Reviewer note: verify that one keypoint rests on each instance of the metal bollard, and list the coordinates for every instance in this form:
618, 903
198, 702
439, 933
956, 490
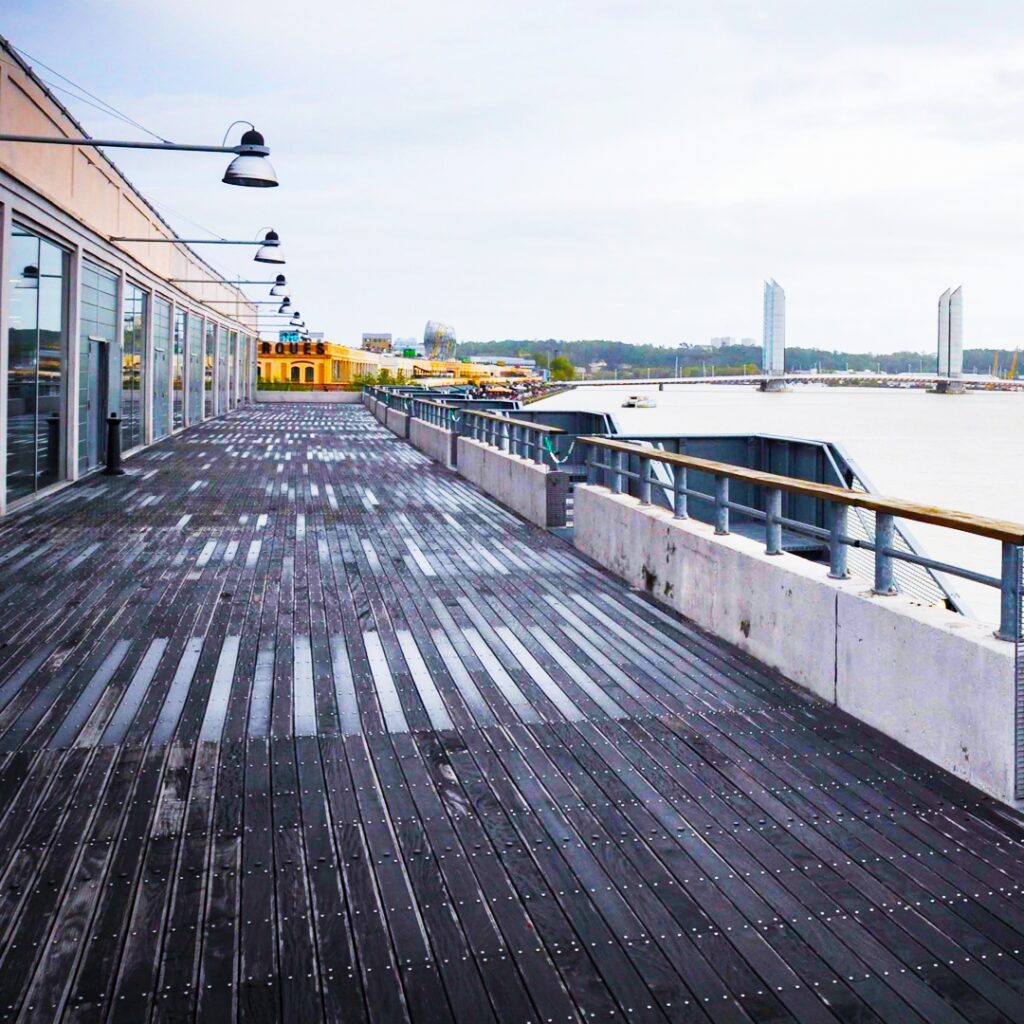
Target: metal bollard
837, 569
618, 460
885, 536
721, 505
1009, 610
113, 467
645, 481
679, 503
772, 526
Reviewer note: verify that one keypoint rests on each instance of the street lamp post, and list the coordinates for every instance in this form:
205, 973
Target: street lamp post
250, 167
269, 245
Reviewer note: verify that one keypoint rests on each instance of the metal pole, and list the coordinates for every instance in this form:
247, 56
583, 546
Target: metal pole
113, 467
836, 548
721, 505
645, 481
885, 534
588, 461
1009, 618
679, 503
773, 528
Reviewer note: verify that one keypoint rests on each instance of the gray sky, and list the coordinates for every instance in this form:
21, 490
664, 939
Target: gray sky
624, 170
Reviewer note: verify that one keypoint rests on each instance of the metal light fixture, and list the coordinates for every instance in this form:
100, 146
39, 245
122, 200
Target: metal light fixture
270, 250
29, 277
250, 167
280, 286
286, 305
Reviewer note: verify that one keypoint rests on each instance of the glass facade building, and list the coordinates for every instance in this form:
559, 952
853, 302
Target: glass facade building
133, 354
161, 368
773, 356
37, 362
178, 369
90, 327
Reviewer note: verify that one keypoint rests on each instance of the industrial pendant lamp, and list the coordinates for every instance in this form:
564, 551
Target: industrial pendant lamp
270, 250
280, 287
286, 305
250, 168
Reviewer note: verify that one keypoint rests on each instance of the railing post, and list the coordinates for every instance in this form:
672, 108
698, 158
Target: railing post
773, 528
618, 459
1009, 612
721, 505
506, 444
885, 537
588, 461
679, 496
837, 552
538, 447
645, 480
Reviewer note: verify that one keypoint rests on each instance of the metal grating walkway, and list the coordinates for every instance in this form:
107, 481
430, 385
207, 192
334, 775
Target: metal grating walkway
296, 725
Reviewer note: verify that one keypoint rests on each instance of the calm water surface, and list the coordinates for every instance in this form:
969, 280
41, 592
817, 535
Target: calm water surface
963, 452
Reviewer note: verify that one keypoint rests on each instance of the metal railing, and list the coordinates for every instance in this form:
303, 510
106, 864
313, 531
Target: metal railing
517, 437
613, 471
437, 414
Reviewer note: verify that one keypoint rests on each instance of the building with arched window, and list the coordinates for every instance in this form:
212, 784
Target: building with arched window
324, 364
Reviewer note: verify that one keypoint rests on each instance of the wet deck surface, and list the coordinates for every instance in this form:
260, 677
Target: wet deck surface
295, 725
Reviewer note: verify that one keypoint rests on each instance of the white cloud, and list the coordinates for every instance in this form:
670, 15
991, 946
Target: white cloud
586, 169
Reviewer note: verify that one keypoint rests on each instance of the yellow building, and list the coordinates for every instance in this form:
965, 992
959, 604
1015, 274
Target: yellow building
322, 363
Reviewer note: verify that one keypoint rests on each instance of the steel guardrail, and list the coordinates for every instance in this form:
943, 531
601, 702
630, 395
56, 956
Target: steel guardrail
886, 510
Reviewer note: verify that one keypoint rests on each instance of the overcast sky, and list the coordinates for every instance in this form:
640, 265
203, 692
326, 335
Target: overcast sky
587, 169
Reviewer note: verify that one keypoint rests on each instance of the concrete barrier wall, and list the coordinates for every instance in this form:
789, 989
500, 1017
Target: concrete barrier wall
435, 442
933, 680
517, 483
397, 422
316, 397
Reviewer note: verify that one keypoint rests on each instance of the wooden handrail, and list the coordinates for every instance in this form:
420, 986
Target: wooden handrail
983, 526
539, 427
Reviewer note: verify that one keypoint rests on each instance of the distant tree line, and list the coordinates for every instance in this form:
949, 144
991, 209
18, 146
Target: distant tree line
566, 358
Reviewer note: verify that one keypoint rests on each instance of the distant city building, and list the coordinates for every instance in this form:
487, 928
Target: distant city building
522, 361
748, 341
951, 333
773, 355
720, 342
438, 340
376, 343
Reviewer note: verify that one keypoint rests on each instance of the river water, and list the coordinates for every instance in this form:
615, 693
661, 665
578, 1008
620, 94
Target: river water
960, 452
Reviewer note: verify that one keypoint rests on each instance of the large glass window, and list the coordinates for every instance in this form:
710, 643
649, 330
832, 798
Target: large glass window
208, 362
161, 366
178, 370
233, 370
222, 370
195, 368
37, 363
97, 334
133, 354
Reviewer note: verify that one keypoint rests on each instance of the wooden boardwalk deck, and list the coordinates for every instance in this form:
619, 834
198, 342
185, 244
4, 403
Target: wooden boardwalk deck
296, 725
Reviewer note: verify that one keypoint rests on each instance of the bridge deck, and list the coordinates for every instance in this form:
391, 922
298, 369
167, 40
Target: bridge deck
295, 725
